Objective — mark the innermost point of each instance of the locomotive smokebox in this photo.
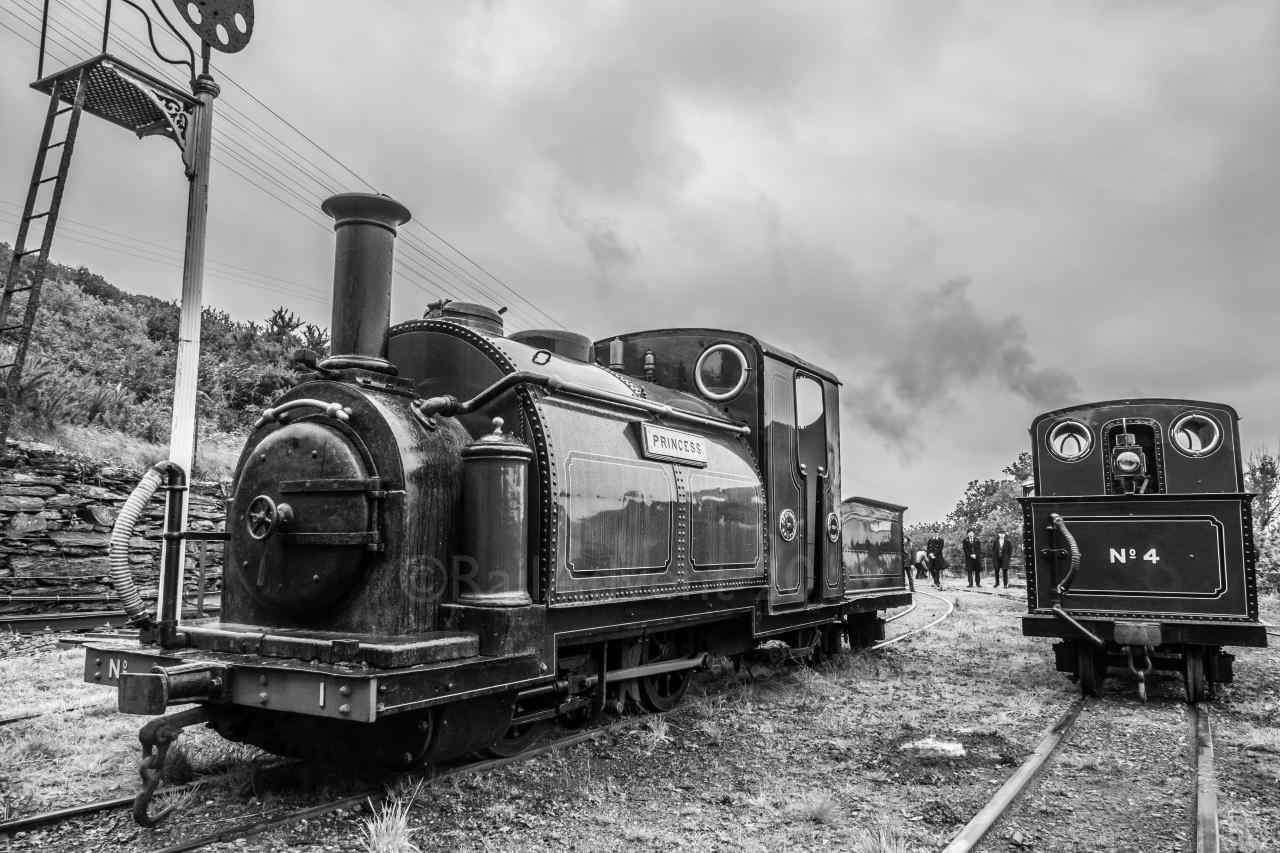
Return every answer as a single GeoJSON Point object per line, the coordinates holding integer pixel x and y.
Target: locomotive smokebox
{"type": "Point", "coordinates": [366, 233]}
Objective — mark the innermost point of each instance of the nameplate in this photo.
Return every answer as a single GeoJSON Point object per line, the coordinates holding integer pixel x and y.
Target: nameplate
{"type": "Point", "coordinates": [672, 445]}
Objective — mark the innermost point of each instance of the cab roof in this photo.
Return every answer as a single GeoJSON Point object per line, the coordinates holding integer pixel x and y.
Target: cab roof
{"type": "Point", "coordinates": [744, 337]}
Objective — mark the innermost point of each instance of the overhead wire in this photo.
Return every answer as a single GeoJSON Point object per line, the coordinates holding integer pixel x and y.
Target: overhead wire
{"type": "Point", "coordinates": [118, 241]}
{"type": "Point", "coordinates": [446, 266]}
{"type": "Point", "coordinates": [121, 235]}
{"type": "Point", "coordinates": [416, 274]}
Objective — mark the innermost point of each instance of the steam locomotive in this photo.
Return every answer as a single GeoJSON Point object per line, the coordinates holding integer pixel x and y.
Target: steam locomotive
{"type": "Point", "coordinates": [447, 535]}
{"type": "Point", "coordinates": [1140, 541]}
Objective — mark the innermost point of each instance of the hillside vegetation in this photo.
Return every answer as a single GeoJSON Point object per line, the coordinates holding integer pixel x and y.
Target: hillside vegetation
{"type": "Point", "coordinates": [99, 375]}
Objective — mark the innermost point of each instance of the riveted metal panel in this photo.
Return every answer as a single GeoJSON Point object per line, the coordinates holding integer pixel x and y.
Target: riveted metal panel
{"type": "Point", "coordinates": [1166, 556]}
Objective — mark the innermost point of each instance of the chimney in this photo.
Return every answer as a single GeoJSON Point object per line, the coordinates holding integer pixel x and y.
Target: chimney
{"type": "Point", "coordinates": [366, 227]}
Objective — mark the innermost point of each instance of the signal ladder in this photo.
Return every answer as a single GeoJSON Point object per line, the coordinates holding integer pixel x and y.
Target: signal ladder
{"type": "Point", "coordinates": [21, 297]}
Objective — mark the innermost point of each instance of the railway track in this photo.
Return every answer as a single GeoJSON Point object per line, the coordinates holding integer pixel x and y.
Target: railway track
{"type": "Point", "coordinates": [54, 816]}
{"type": "Point", "coordinates": [260, 823]}
{"type": "Point", "coordinates": [34, 623]}
{"type": "Point", "coordinates": [35, 715]}
{"type": "Point", "coordinates": [284, 818]}
{"type": "Point", "coordinates": [909, 608]}
{"type": "Point", "coordinates": [950, 608]}
{"type": "Point", "coordinates": [1204, 808]}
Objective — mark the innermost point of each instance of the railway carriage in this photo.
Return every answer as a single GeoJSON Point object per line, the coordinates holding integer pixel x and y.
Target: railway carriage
{"type": "Point", "coordinates": [448, 535]}
{"type": "Point", "coordinates": [873, 555]}
{"type": "Point", "coordinates": [1140, 541]}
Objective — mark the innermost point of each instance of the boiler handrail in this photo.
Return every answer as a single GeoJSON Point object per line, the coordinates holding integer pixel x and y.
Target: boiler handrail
{"type": "Point", "coordinates": [449, 405]}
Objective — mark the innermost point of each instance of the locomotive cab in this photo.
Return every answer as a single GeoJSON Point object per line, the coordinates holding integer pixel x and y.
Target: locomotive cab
{"type": "Point", "coordinates": [792, 407]}
{"type": "Point", "coordinates": [1141, 538]}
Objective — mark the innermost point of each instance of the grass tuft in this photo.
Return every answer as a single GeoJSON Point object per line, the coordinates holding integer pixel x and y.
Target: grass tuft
{"type": "Point", "coordinates": [884, 837]}
{"type": "Point", "coordinates": [817, 808]}
{"type": "Point", "coordinates": [654, 733]}
{"type": "Point", "coordinates": [387, 829]}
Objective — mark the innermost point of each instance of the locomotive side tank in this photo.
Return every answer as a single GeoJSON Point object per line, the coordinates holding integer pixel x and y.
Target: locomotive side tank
{"type": "Point", "coordinates": [446, 536]}
{"type": "Point", "coordinates": [1141, 541]}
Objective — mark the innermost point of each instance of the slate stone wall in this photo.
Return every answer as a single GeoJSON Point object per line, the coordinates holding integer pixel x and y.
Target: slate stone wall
{"type": "Point", "coordinates": [56, 515]}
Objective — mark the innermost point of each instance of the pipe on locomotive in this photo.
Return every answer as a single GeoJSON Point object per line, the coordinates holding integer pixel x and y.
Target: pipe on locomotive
{"type": "Point", "coordinates": [121, 571]}
{"type": "Point", "coordinates": [365, 225]}
{"type": "Point", "coordinates": [1073, 549]}
{"type": "Point", "coordinates": [450, 406]}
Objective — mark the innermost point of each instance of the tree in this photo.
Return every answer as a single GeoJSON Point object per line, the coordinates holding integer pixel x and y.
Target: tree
{"type": "Point", "coordinates": [1262, 477]}
{"type": "Point", "coordinates": [987, 506]}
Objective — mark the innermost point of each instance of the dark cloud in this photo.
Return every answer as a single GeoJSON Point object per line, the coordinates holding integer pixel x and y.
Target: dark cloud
{"type": "Point", "coordinates": [1103, 172]}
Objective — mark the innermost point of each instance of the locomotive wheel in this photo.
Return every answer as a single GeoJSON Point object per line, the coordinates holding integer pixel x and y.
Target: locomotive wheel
{"type": "Point", "coordinates": [517, 737]}
{"type": "Point", "coordinates": [514, 740]}
{"type": "Point", "coordinates": [1087, 669]}
{"type": "Point", "coordinates": [1193, 676]}
{"type": "Point", "coordinates": [662, 692]}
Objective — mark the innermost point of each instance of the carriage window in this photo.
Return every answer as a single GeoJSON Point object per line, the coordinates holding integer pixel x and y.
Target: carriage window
{"type": "Point", "coordinates": [809, 407]}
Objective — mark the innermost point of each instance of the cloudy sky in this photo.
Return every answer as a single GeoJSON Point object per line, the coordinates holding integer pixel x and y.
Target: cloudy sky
{"type": "Point", "coordinates": [970, 212]}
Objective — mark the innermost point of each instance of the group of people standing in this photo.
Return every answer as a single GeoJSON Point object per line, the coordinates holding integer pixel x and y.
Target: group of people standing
{"type": "Point", "coordinates": [931, 560]}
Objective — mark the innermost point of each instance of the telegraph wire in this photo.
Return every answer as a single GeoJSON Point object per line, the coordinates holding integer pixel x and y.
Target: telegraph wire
{"type": "Point", "coordinates": [281, 285]}
{"type": "Point", "coordinates": [443, 263]}
{"type": "Point", "coordinates": [74, 235]}
{"type": "Point", "coordinates": [229, 144]}
{"type": "Point", "coordinates": [412, 273]}
{"type": "Point", "coordinates": [237, 146]}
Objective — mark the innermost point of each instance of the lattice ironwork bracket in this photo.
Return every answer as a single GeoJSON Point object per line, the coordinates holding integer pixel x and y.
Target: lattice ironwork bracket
{"type": "Point", "coordinates": [133, 99]}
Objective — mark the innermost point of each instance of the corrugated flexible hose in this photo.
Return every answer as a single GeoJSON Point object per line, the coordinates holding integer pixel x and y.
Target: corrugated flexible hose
{"type": "Point", "coordinates": [118, 546]}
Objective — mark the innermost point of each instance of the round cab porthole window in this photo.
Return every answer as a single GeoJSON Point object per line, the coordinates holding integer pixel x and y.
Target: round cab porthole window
{"type": "Point", "coordinates": [1070, 441]}
{"type": "Point", "coordinates": [721, 372]}
{"type": "Point", "coordinates": [1196, 434]}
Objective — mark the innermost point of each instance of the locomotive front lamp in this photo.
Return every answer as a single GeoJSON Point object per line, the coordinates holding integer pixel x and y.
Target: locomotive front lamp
{"type": "Point", "coordinates": [1128, 462]}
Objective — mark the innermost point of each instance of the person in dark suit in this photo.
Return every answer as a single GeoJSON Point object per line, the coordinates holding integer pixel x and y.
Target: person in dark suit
{"type": "Point", "coordinates": [1001, 556]}
{"type": "Point", "coordinates": [972, 558]}
{"type": "Point", "coordinates": [936, 562]}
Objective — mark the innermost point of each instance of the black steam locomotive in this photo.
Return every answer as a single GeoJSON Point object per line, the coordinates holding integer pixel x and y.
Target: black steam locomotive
{"type": "Point", "coordinates": [1141, 535]}
{"type": "Point", "coordinates": [448, 535]}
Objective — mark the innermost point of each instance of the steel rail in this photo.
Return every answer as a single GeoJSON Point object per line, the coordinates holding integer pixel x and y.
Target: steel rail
{"type": "Point", "coordinates": [992, 592]}
{"type": "Point", "coordinates": [32, 715]}
{"type": "Point", "coordinates": [976, 829]}
{"type": "Point", "coordinates": [33, 821]}
{"type": "Point", "coordinates": [926, 626]}
{"type": "Point", "coordinates": [1206, 790]}
{"type": "Point", "coordinates": [34, 623]}
{"type": "Point", "coordinates": [261, 825]}
{"type": "Point", "coordinates": [910, 608]}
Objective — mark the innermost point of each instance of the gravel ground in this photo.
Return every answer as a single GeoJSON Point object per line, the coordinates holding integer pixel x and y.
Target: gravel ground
{"type": "Point", "coordinates": [1122, 780]}
{"type": "Point", "coordinates": [1246, 733]}
{"type": "Point", "coordinates": [799, 759]}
